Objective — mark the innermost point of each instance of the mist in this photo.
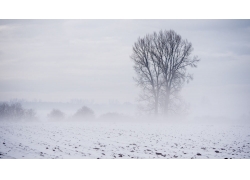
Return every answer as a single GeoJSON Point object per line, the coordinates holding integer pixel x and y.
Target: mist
{"type": "Point", "coordinates": [78, 74]}
{"type": "Point", "coordinates": [61, 60]}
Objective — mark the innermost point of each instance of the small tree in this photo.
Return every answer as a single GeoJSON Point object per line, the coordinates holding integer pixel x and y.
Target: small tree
{"type": "Point", "coordinates": [84, 113]}
{"type": "Point", "coordinates": [16, 111]}
{"type": "Point", "coordinates": [30, 114]}
{"type": "Point", "coordinates": [56, 115]}
{"type": "Point", "coordinates": [4, 111]}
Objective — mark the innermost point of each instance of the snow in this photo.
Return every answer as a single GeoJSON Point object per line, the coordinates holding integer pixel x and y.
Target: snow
{"type": "Point", "coordinates": [108, 140]}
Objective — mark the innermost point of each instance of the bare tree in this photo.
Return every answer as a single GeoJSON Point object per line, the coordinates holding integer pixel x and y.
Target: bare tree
{"type": "Point", "coordinates": [161, 61]}
{"type": "Point", "coordinates": [148, 73]}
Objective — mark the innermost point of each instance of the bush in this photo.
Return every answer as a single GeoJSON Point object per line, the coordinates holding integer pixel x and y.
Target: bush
{"type": "Point", "coordinates": [30, 114]}
{"type": "Point", "coordinates": [15, 111]}
{"type": "Point", "coordinates": [56, 115]}
{"type": "Point", "coordinates": [84, 113]}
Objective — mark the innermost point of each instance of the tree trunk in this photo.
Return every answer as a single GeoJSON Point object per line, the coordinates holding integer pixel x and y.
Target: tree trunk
{"type": "Point", "coordinates": [156, 107]}
{"type": "Point", "coordinates": [167, 101]}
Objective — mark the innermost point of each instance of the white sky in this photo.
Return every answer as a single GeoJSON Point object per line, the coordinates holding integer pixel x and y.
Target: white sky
{"type": "Point", "coordinates": [59, 60]}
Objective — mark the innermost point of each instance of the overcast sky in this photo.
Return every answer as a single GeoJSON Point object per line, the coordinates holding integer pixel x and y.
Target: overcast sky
{"type": "Point", "coordinates": [59, 60]}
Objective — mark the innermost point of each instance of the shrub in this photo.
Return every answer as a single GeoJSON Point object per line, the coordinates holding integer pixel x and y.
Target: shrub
{"type": "Point", "coordinates": [56, 115]}
{"type": "Point", "coordinates": [84, 113]}
{"type": "Point", "coordinates": [30, 114]}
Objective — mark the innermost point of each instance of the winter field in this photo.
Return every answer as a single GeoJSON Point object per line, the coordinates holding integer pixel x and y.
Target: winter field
{"type": "Point", "coordinates": [111, 140]}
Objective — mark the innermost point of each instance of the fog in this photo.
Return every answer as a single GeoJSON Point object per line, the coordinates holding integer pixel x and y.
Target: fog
{"type": "Point", "coordinates": [68, 90]}
{"type": "Point", "coordinates": [68, 64]}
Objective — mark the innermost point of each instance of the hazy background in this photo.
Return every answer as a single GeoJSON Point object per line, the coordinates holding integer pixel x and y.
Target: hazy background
{"type": "Point", "coordinates": [88, 60]}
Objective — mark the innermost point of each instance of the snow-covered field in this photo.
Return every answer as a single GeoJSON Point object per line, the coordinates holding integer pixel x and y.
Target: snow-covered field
{"type": "Point", "coordinates": [123, 140]}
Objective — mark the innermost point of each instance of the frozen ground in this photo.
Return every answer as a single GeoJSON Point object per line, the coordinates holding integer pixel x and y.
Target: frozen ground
{"type": "Point", "coordinates": [123, 140]}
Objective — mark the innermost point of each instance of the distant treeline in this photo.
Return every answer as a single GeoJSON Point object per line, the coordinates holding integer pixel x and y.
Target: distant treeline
{"type": "Point", "coordinates": [14, 111]}
{"type": "Point", "coordinates": [44, 108]}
